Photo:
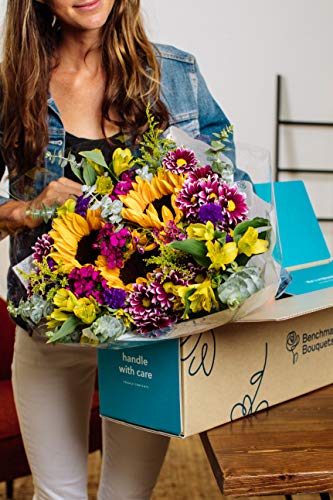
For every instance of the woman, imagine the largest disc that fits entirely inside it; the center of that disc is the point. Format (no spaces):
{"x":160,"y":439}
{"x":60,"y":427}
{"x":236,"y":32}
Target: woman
{"x":77,"y":69}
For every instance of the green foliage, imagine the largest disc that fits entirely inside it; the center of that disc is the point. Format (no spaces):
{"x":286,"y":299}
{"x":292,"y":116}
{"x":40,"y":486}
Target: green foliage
{"x":46,"y":213}
{"x":218,"y":146}
{"x":95,"y":156}
{"x":31,"y":311}
{"x":46,"y":282}
{"x":64,"y":160}
{"x":89,"y":174}
{"x":69,"y":326}
{"x":196,"y":248}
{"x":169,"y":260}
{"x":239,"y":286}
{"x":153,"y":146}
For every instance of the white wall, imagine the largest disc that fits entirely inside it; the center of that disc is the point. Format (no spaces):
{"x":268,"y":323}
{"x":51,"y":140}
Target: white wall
{"x":241,"y":45}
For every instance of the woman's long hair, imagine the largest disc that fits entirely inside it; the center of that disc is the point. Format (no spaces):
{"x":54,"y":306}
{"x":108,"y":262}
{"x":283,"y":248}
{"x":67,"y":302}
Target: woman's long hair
{"x":31,"y":37}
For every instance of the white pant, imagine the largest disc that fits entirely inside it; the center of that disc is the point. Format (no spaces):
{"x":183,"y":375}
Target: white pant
{"x":53,"y":387}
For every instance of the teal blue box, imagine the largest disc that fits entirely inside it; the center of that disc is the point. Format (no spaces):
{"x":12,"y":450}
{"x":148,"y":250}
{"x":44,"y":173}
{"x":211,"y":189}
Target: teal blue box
{"x":140,"y":393}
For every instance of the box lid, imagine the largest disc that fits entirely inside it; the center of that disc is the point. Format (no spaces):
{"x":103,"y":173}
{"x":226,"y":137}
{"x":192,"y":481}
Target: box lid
{"x":291,"y":307}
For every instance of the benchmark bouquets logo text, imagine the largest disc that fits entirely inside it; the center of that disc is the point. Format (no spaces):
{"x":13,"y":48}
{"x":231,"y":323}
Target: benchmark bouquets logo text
{"x":308,"y":342}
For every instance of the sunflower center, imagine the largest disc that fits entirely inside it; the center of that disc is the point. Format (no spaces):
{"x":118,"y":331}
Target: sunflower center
{"x":136,"y":267}
{"x":86,"y":253}
{"x":164,"y":201}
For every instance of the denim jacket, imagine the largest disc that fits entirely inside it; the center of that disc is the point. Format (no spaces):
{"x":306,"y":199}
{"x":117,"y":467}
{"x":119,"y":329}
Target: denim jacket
{"x":191,"y":106}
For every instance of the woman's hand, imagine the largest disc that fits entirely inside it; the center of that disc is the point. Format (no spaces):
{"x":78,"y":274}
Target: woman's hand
{"x":13,"y":215}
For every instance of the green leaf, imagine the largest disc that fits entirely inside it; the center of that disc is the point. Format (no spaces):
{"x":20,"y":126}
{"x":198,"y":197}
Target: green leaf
{"x":241,"y":228}
{"x":187,"y":309}
{"x":95,"y":156}
{"x":195,"y":248}
{"x":68,"y":327}
{"x":76,"y":171}
{"x":89,"y":174}
{"x":202,"y":261}
{"x":191,"y":246}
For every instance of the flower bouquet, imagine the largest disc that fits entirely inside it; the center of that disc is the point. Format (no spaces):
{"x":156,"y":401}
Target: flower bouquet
{"x":159,"y":244}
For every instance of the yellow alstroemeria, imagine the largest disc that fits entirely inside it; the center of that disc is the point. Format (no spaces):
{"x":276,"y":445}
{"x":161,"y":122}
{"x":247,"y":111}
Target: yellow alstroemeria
{"x":86,"y":310}
{"x":65,"y":300}
{"x":202,"y":298}
{"x":204,"y":232}
{"x":104,"y":185}
{"x":221,"y":255}
{"x":251,"y":244}
{"x":67,"y":208}
{"x":122,"y":159}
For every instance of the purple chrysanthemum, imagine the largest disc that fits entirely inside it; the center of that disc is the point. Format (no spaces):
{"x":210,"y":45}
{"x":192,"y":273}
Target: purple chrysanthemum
{"x":86,"y":282}
{"x":114,"y":298}
{"x":42,"y":247}
{"x":180,"y":161}
{"x":234,"y":205}
{"x":150,"y":307}
{"x":198,"y":192}
{"x":112,"y":244}
{"x":210,"y":212}
{"x":82,"y":204}
{"x":125,"y":183}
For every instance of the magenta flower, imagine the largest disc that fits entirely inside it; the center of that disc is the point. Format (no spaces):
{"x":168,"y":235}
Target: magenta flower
{"x":42,"y":247}
{"x":112,"y":244}
{"x":180,"y":161}
{"x":234,"y":205}
{"x":199,"y":191}
{"x":125,"y":183}
{"x":170,"y":233}
{"x":86,"y":282}
{"x":200,"y":173}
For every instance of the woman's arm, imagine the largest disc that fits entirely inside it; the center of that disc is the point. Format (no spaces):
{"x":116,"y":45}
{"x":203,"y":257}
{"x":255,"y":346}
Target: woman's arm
{"x":13,"y":214}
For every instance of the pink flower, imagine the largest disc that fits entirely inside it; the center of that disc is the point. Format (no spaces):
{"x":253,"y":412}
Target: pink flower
{"x":180,"y":161}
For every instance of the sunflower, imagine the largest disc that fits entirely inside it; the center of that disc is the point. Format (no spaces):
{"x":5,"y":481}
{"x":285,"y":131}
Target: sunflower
{"x":73,"y":238}
{"x":152,"y":204}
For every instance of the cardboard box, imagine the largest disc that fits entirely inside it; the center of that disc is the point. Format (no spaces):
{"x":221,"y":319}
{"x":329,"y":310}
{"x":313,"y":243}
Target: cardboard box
{"x":184,"y":386}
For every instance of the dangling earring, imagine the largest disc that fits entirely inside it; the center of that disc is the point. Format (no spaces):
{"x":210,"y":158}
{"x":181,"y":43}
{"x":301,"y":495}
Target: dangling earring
{"x":54,"y":20}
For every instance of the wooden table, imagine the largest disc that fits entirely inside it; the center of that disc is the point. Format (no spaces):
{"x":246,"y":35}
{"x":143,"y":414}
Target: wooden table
{"x":284,"y":450}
